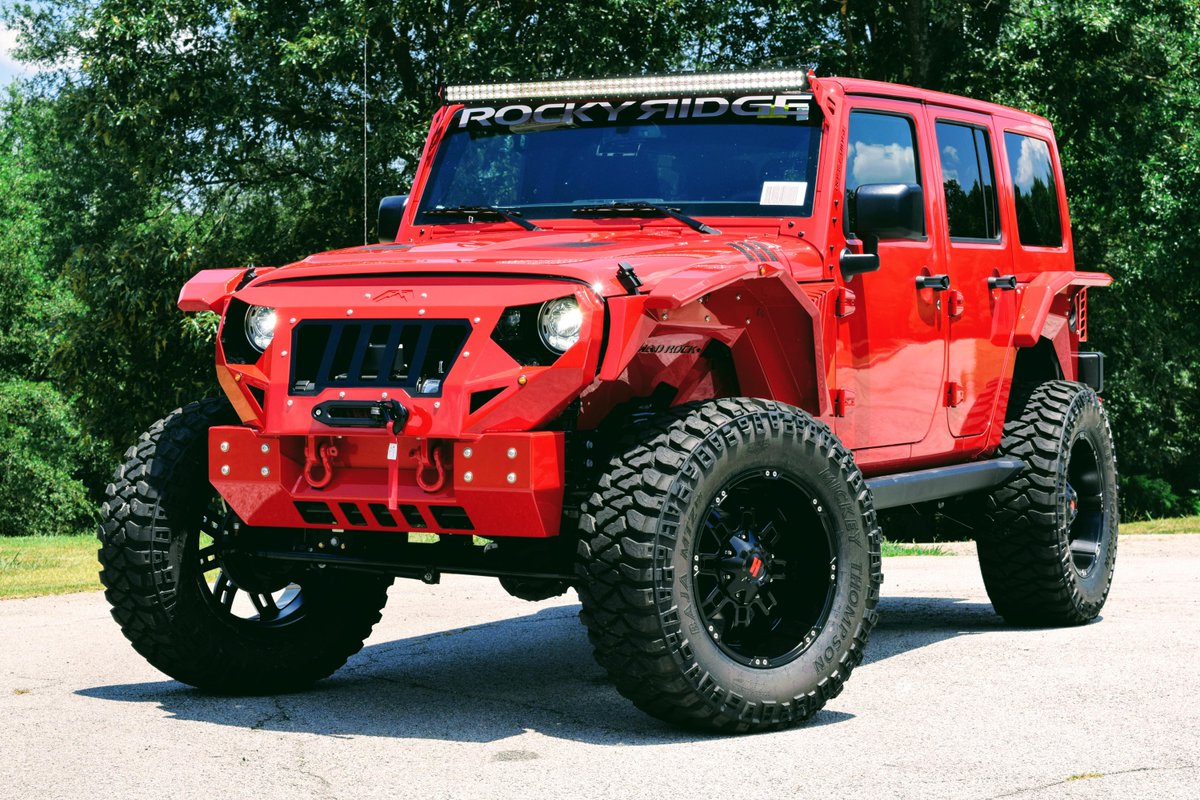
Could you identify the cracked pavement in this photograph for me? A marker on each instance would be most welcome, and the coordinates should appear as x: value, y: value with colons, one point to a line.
x: 464, y: 691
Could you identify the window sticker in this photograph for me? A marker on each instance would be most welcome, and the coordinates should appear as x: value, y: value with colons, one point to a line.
x: 783, y: 193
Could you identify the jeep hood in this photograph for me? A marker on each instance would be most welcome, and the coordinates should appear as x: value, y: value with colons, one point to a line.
x: 584, y: 257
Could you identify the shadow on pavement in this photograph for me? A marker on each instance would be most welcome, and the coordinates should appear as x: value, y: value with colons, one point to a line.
x: 490, y: 682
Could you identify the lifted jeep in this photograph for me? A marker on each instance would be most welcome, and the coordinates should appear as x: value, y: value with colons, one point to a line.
x: 670, y: 341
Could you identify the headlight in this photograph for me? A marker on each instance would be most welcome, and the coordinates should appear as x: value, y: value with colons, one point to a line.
x: 260, y: 326
x: 559, y: 322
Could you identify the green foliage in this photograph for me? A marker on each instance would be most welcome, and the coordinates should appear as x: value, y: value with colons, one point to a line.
x: 1152, y: 497
x: 43, y: 457
x: 188, y: 134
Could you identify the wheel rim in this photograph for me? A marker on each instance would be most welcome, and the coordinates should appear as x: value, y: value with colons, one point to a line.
x: 1085, y: 506
x: 237, y: 586
x: 764, y: 569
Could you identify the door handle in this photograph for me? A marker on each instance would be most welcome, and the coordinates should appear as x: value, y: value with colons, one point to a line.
x: 939, y: 283
x: 1004, y: 282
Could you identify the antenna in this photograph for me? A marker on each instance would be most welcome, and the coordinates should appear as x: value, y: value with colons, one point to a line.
x: 364, y: 131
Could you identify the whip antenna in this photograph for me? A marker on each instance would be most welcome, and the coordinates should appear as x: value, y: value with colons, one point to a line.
x: 364, y: 131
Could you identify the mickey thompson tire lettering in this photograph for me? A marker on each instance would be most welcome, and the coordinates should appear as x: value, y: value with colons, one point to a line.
x: 640, y: 548
x: 1049, y: 552
x: 153, y: 579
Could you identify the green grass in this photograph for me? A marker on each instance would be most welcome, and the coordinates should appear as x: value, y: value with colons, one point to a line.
x: 1173, y: 525
x: 39, y: 565
x: 36, y: 565
x: 891, y: 548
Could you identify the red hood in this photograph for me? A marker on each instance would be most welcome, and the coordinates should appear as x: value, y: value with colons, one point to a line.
x: 589, y: 257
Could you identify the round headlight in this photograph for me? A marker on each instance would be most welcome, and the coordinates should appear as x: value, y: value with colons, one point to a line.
x: 260, y: 326
x: 559, y: 322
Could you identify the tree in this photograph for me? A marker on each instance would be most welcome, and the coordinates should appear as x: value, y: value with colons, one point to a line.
x: 204, y: 133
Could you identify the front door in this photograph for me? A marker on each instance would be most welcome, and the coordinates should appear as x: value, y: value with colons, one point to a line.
x: 891, y: 352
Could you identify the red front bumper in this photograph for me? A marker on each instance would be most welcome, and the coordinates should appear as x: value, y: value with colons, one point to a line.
x: 494, y: 485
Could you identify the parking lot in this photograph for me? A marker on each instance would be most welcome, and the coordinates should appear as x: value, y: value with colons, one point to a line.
x: 463, y: 691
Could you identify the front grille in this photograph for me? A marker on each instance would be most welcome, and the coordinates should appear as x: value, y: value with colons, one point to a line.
x: 410, y: 354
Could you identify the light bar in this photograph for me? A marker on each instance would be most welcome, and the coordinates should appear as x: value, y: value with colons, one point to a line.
x: 631, y: 87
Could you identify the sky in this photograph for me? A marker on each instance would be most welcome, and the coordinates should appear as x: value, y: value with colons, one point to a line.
x: 9, y: 68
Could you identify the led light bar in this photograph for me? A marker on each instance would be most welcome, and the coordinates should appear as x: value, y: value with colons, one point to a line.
x: 696, y: 83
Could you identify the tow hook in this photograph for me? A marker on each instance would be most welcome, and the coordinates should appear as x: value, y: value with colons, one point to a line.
x: 429, y: 456
x: 318, y: 455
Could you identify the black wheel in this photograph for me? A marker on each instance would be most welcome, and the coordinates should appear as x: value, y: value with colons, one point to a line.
x: 196, y: 606
x: 729, y: 566
x: 1049, y: 554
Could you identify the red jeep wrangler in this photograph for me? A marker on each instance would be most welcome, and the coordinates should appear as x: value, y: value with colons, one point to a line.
x: 670, y: 341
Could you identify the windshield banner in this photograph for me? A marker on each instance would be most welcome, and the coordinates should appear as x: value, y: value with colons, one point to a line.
x: 762, y: 106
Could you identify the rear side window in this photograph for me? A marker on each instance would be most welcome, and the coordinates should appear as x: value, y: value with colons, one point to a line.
x: 1038, y: 220
x: 968, y: 181
x: 882, y: 149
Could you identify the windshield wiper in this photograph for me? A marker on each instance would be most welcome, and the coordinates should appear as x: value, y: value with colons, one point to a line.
x: 634, y: 206
x: 511, y: 216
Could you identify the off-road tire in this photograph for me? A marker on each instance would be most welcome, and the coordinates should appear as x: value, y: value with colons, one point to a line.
x: 1036, y: 546
x: 152, y: 576
x: 640, y: 539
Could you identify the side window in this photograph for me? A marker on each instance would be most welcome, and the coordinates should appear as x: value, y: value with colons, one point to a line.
x: 882, y: 149
x: 1038, y: 220
x: 968, y: 181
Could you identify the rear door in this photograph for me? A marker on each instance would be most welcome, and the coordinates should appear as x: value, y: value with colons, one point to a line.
x: 980, y: 305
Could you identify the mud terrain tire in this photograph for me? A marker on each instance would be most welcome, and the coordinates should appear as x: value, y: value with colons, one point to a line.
x: 1049, y: 552
x: 151, y: 559
x: 730, y: 493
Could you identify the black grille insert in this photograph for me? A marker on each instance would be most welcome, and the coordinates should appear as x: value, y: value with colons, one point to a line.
x: 353, y: 514
x: 452, y: 518
x: 415, y: 355
x: 315, y: 513
x: 382, y: 515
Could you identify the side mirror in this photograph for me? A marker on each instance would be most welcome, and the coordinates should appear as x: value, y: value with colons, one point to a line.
x: 883, y: 211
x: 888, y: 211
x: 391, y: 210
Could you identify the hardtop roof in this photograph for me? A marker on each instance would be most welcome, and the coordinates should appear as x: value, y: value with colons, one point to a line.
x: 900, y: 91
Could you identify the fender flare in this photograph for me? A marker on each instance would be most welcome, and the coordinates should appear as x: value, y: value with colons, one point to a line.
x: 1038, y: 293
x: 210, y: 289
x: 634, y: 318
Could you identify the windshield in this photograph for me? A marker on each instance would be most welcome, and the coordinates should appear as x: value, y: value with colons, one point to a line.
x: 715, y: 156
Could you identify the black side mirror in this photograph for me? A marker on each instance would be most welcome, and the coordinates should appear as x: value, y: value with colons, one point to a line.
x: 888, y: 211
x: 883, y: 211
x: 391, y: 210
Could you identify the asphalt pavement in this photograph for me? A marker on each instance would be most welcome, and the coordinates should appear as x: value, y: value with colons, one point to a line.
x: 463, y: 691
